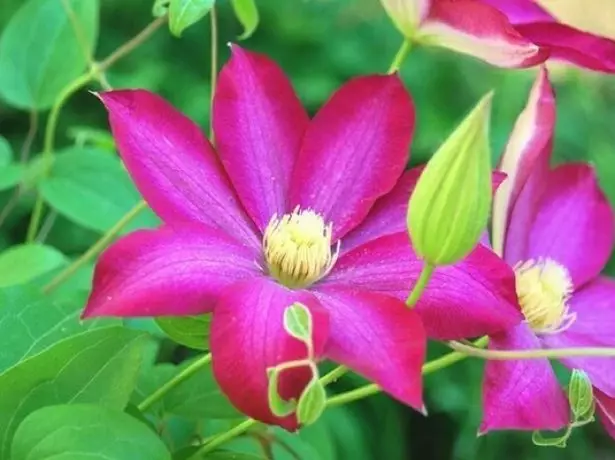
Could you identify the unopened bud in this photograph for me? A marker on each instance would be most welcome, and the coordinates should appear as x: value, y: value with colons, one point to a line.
x: 449, y: 207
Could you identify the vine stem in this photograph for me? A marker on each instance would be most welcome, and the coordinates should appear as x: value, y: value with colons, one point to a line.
x: 554, y: 353
x: 214, y: 70
x: 400, y: 56
x: 95, y: 248
x: 131, y: 44
x: 49, y: 138
x: 184, y: 375
x: 420, y: 285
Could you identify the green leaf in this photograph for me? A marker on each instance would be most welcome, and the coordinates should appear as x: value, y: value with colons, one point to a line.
x: 90, y: 187
x: 312, y: 402
x: 226, y: 455
x: 160, y: 8
x: 24, y: 262
x: 581, y: 396
x: 556, y: 441
x: 199, y: 397
x: 98, y: 138
x: 190, y: 331
x: 278, y: 406
x: 80, y: 431
x: 184, y: 13
x: 41, y: 52
x: 247, y: 14
x: 32, y: 322
x: 298, y: 322
x: 98, y: 366
x: 10, y: 173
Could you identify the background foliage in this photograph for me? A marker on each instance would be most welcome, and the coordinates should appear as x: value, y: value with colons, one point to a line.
x: 49, y: 358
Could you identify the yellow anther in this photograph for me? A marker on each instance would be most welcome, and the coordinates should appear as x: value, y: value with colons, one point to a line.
x: 544, y: 288
x: 297, y: 248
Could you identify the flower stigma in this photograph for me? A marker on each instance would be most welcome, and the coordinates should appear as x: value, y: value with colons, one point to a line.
x: 544, y: 288
x: 297, y: 248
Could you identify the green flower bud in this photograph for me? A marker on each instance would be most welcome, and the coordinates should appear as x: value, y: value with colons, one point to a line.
x: 449, y: 207
x: 581, y: 396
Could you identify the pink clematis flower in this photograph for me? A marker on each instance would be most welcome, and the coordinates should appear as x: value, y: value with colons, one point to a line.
x: 290, y: 209
x: 556, y: 228
x: 505, y: 33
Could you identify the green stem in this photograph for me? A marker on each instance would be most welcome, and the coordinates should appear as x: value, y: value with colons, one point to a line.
x: 49, y: 139
x: 420, y: 285
x: 400, y: 56
x: 333, y: 375
x: 428, y: 368
x: 556, y: 353
x: 184, y: 375
x: 96, y: 248
x: 214, y: 69
x: 240, y: 429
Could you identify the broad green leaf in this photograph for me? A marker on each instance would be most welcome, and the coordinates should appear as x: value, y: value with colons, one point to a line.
x: 80, y: 431
x: 150, y: 379
x: 98, y: 367
x: 226, y: 455
x: 42, y: 51
x: 10, y: 172
x: 90, y: 187
x: 311, y: 402
x: 247, y: 14
x: 22, y: 263
x: 184, y: 13
x: 32, y: 322
x: 298, y: 322
x: 199, y: 397
x: 190, y: 331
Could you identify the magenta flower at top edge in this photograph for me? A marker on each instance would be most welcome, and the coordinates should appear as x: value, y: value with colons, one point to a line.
x: 505, y: 33
x: 291, y: 209
x: 556, y: 228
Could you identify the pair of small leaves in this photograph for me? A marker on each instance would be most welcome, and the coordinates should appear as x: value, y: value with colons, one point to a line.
x: 582, y: 406
x: 184, y: 13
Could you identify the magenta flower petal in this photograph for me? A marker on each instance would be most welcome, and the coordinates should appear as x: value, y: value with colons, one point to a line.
x: 378, y: 337
x: 248, y: 337
x: 574, y: 225
x: 594, y: 306
x: 179, y: 271
x: 475, y: 28
x: 173, y: 164
x: 389, y: 214
x: 605, y: 407
x: 521, y: 394
x: 354, y: 150
x: 259, y: 123
x: 521, y: 11
x: 526, y: 161
x: 474, y: 297
x: 571, y: 45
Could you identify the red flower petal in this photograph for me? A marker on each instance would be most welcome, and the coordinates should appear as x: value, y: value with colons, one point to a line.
x: 477, y: 29
x: 574, y: 225
x: 259, y: 123
x: 521, y: 394
x: 354, y: 150
x: 248, y: 337
x: 378, y: 337
x: 474, y: 297
x: 173, y: 164
x: 179, y: 271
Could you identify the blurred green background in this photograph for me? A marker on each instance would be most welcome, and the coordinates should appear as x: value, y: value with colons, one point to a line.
x: 320, y: 44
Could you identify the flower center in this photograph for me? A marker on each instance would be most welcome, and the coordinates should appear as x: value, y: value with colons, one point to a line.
x: 297, y: 248
x: 543, y: 289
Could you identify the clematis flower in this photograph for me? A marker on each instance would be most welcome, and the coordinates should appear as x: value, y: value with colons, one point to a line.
x: 556, y: 228
x: 505, y: 33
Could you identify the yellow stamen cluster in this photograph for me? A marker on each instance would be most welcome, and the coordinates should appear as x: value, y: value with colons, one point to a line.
x: 544, y: 288
x: 297, y: 248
